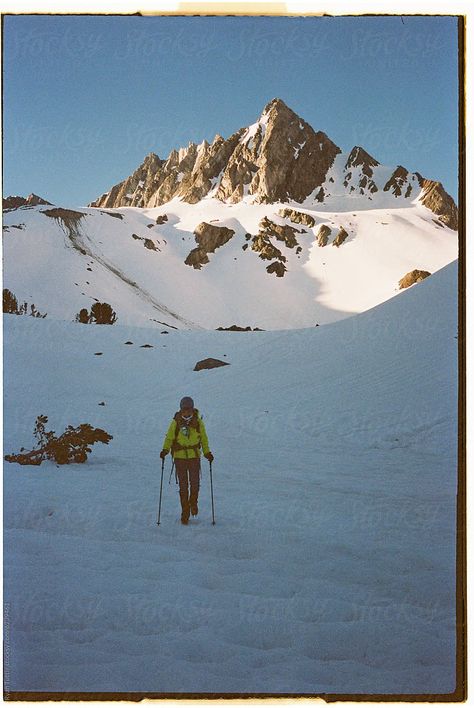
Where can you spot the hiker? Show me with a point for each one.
(186, 435)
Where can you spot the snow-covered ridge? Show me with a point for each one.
(138, 266)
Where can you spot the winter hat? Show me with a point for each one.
(186, 402)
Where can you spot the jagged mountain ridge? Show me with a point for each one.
(280, 158)
(14, 202)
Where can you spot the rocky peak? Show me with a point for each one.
(434, 197)
(277, 107)
(152, 160)
(399, 183)
(359, 157)
(279, 158)
(14, 202)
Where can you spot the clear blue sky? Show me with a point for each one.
(86, 98)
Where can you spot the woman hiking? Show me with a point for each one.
(185, 437)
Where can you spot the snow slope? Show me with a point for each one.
(331, 567)
(108, 261)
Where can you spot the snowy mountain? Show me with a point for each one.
(331, 568)
(277, 159)
(272, 228)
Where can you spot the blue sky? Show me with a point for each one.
(86, 98)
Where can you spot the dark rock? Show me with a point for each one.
(197, 258)
(209, 364)
(323, 235)
(358, 157)
(414, 276)
(340, 237)
(278, 268)
(161, 218)
(208, 238)
(434, 197)
(397, 182)
(262, 245)
(234, 328)
(10, 203)
(297, 217)
(116, 215)
(320, 195)
(283, 233)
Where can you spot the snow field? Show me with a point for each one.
(148, 288)
(331, 567)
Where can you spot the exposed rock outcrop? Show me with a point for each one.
(262, 245)
(134, 190)
(340, 237)
(10, 203)
(208, 238)
(414, 276)
(297, 217)
(278, 268)
(209, 363)
(323, 235)
(236, 328)
(438, 200)
(282, 232)
(358, 171)
(399, 183)
(68, 217)
(280, 158)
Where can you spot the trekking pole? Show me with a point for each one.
(161, 489)
(171, 473)
(212, 494)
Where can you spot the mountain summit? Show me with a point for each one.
(279, 158)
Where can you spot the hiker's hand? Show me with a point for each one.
(163, 454)
(209, 456)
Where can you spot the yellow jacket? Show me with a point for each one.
(191, 437)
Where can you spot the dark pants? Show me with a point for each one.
(188, 478)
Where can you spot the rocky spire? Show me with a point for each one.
(359, 157)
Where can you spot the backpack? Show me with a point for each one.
(193, 423)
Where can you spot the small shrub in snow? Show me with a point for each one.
(10, 306)
(101, 313)
(72, 446)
